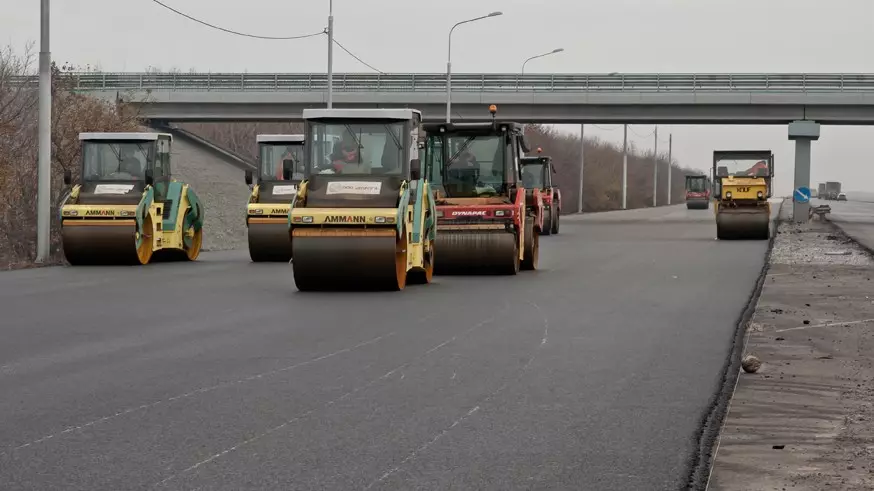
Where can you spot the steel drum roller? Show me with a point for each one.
(741, 223)
(348, 259)
(269, 241)
(480, 252)
(100, 244)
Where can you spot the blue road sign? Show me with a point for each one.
(801, 195)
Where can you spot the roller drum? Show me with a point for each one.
(341, 260)
(100, 244)
(743, 224)
(269, 242)
(476, 252)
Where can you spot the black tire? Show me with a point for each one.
(547, 223)
(555, 221)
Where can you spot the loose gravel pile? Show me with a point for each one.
(816, 243)
(221, 188)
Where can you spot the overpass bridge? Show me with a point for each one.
(542, 98)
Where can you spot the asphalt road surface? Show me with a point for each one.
(855, 218)
(591, 373)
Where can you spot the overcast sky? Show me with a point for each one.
(410, 36)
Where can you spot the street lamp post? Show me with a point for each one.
(557, 50)
(449, 62)
(44, 165)
(330, 54)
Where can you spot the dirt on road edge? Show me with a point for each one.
(804, 419)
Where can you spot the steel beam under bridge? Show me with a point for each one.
(626, 107)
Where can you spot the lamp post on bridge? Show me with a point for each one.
(330, 54)
(449, 62)
(557, 50)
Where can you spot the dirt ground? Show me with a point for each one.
(805, 419)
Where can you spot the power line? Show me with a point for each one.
(229, 31)
(368, 65)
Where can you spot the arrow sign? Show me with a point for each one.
(801, 195)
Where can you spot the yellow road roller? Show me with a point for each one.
(127, 208)
(280, 172)
(363, 217)
(743, 185)
(488, 222)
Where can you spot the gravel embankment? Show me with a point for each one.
(221, 188)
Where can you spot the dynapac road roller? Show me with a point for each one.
(280, 172)
(363, 217)
(488, 221)
(743, 186)
(537, 173)
(697, 192)
(127, 207)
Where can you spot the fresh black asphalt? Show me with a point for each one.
(591, 373)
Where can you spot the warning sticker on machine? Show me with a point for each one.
(283, 190)
(113, 188)
(353, 187)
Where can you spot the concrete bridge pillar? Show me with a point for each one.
(803, 132)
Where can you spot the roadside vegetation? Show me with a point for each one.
(74, 113)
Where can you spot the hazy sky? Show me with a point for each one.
(410, 36)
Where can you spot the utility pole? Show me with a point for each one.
(582, 165)
(330, 54)
(655, 170)
(625, 167)
(670, 163)
(44, 168)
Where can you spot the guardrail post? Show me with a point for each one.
(842, 82)
(552, 83)
(658, 89)
(174, 81)
(275, 81)
(103, 83)
(242, 81)
(141, 80)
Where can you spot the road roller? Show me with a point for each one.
(537, 171)
(743, 186)
(488, 222)
(280, 172)
(697, 192)
(127, 209)
(364, 217)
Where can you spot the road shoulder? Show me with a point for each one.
(804, 419)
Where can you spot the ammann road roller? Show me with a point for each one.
(280, 172)
(743, 186)
(127, 207)
(697, 192)
(363, 217)
(488, 221)
(537, 173)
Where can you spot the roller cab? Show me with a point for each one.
(697, 192)
(537, 172)
(487, 220)
(364, 216)
(281, 169)
(127, 209)
(743, 186)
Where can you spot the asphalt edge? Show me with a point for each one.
(710, 425)
(862, 245)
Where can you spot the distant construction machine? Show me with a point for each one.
(127, 207)
(364, 216)
(537, 171)
(697, 192)
(488, 222)
(743, 186)
(280, 172)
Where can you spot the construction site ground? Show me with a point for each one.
(805, 419)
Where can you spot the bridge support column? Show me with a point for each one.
(803, 132)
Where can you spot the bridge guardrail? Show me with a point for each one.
(424, 82)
